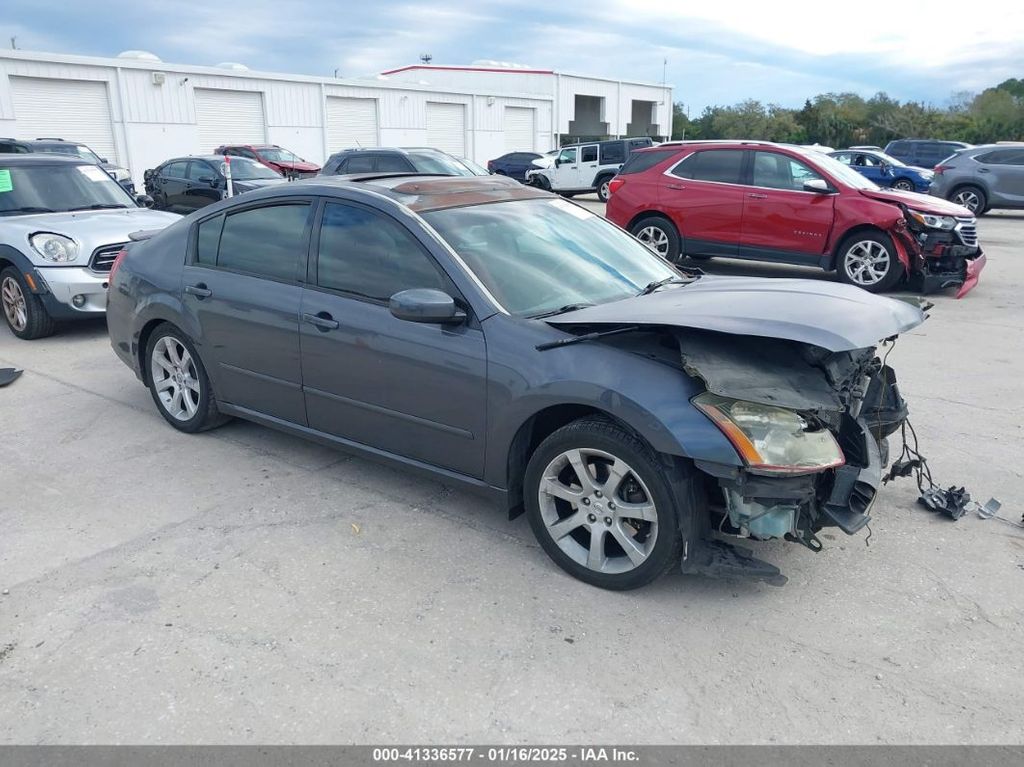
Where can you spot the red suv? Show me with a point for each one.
(288, 164)
(774, 202)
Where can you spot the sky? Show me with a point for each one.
(716, 53)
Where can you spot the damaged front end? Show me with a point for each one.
(940, 252)
(811, 428)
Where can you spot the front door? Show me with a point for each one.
(203, 185)
(241, 286)
(564, 173)
(412, 389)
(704, 196)
(780, 219)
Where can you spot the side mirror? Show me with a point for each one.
(425, 305)
(818, 185)
(144, 201)
(104, 160)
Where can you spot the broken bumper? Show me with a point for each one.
(939, 264)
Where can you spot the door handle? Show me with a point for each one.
(757, 196)
(322, 321)
(984, 170)
(677, 186)
(200, 291)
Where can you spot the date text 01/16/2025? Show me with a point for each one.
(505, 754)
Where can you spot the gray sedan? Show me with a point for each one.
(500, 337)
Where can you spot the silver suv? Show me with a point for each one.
(62, 223)
(982, 178)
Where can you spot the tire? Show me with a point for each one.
(597, 518)
(541, 182)
(22, 309)
(659, 234)
(903, 185)
(869, 260)
(602, 188)
(173, 366)
(971, 197)
(568, 195)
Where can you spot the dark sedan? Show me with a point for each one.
(185, 184)
(515, 164)
(500, 337)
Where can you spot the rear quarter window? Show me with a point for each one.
(612, 154)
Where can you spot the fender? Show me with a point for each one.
(22, 263)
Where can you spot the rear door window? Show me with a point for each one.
(588, 154)
(393, 163)
(267, 241)
(724, 166)
(360, 164)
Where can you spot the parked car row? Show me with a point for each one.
(121, 175)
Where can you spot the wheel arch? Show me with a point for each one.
(651, 214)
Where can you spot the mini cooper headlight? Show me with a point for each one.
(54, 247)
(927, 220)
(772, 440)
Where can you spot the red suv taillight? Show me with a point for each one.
(117, 263)
(614, 184)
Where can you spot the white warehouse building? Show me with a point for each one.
(138, 111)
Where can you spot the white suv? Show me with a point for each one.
(62, 223)
(581, 168)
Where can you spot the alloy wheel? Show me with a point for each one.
(655, 239)
(175, 378)
(13, 300)
(605, 189)
(598, 511)
(969, 199)
(867, 262)
(903, 186)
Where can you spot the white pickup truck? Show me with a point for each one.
(587, 167)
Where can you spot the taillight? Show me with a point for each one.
(614, 185)
(490, 165)
(940, 169)
(117, 262)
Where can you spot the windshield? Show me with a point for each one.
(536, 256)
(889, 159)
(431, 162)
(74, 150)
(50, 188)
(844, 173)
(277, 154)
(246, 170)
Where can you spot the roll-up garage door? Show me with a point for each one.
(229, 117)
(75, 110)
(351, 123)
(446, 127)
(519, 129)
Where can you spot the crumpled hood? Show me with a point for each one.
(923, 202)
(831, 315)
(298, 167)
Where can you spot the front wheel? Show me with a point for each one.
(600, 506)
(25, 314)
(869, 261)
(178, 382)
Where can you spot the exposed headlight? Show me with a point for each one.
(946, 223)
(928, 174)
(54, 247)
(772, 440)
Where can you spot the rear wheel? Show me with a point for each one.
(660, 235)
(903, 185)
(971, 197)
(25, 314)
(600, 506)
(603, 190)
(178, 382)
(869, 260)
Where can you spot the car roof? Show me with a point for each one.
(32, 158)
(417, 191)
(214, 158)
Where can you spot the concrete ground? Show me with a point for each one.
(246, 587)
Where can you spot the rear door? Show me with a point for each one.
(781, 221)
(413, 389)
(242, 287)
(1003, 173)
(703, 194)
